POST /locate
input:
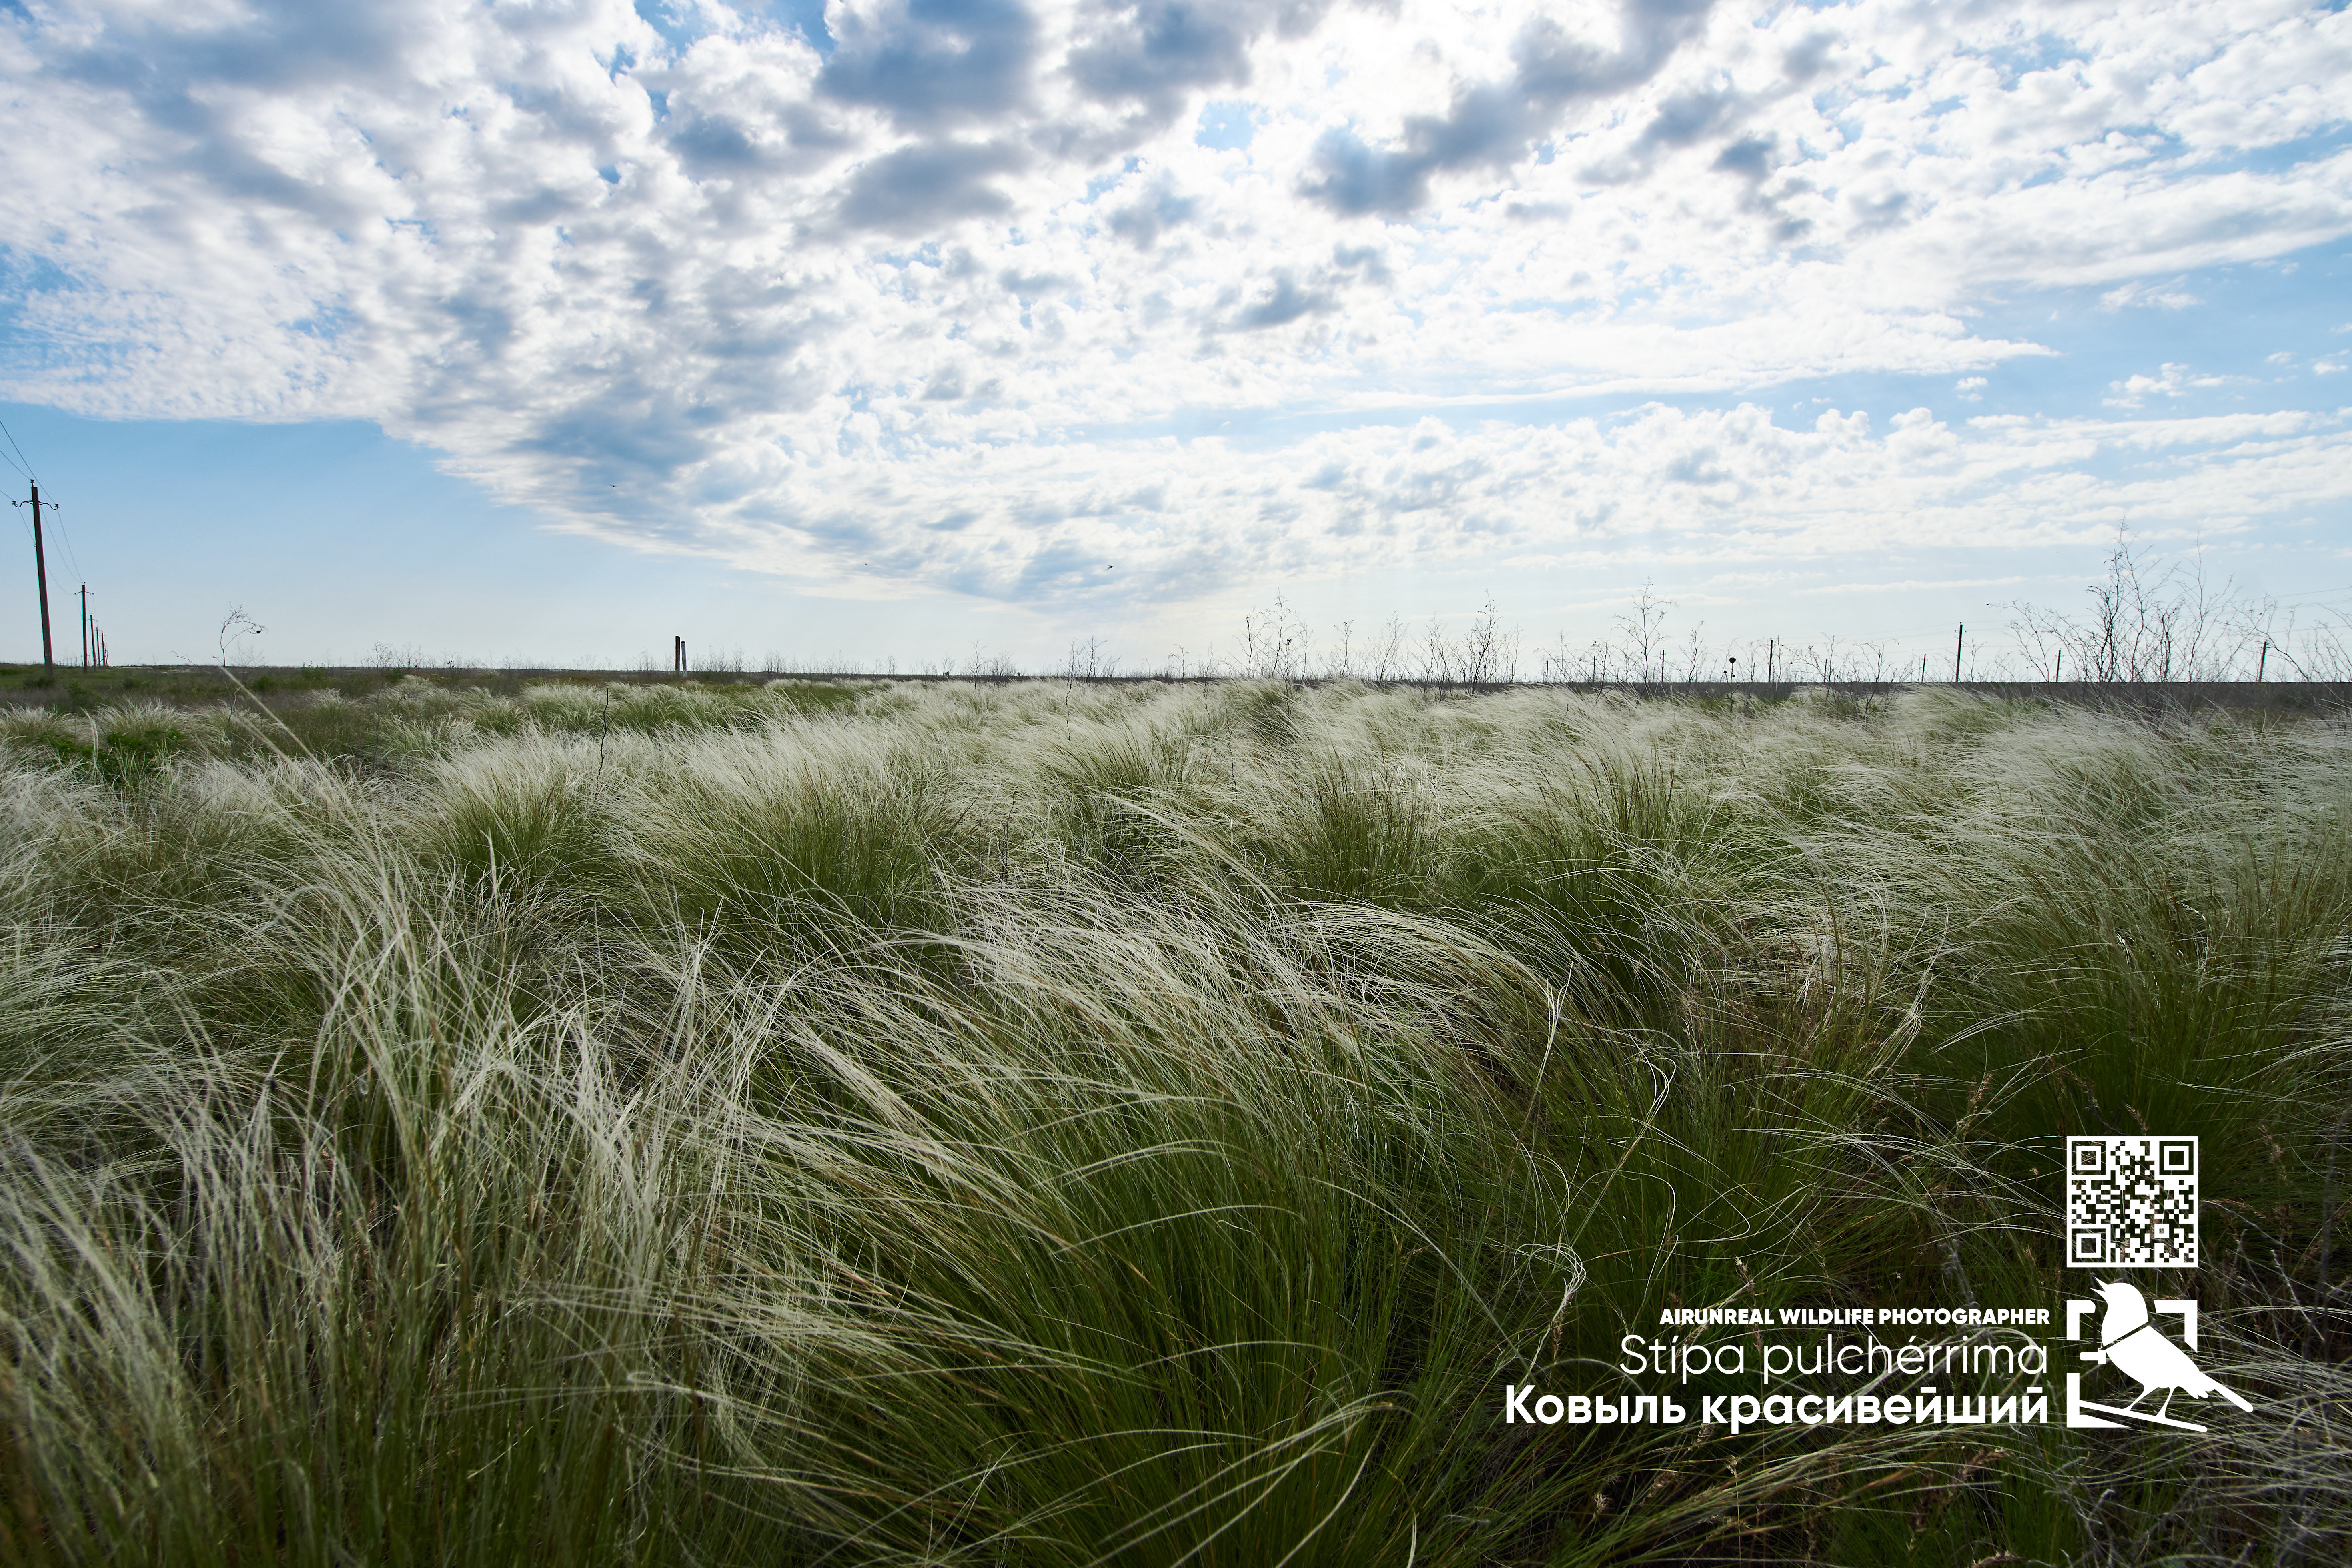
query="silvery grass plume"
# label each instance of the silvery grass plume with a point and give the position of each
(1062, 1125)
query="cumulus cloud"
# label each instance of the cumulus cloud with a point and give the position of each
(1159, 55)
(1183, 515)
(1493, 124)
(944, 293)
(919, 190)
(928, 63)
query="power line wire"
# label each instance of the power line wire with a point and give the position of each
(55, 524)
(66, 539)
(2317, 596)
(25, 465)
(65, 536)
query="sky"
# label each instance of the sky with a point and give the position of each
(913, 331)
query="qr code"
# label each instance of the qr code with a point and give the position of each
(2131, 1203)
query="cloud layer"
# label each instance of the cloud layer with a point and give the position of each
(988, 294)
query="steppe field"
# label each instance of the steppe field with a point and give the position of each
(1048, 1123)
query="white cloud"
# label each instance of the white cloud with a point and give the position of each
(1905, 586)
(1178, 516)
(945, 299)
(2159, 296)
(2171, 381)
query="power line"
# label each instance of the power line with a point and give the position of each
(57, 525)
(65, 537)
(24, 466)
(2320, 596)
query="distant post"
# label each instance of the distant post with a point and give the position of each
(1958, 643)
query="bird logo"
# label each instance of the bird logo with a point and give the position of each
(2130, 1342)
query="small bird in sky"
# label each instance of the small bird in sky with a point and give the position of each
(2130, 1342)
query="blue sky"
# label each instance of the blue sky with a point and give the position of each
(904, 329)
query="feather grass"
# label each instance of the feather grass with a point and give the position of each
(1062, 1126)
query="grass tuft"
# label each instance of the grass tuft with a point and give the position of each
(1061, 1125)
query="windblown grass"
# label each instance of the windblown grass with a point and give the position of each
(1051, 1125)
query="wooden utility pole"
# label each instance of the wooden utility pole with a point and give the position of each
(85, 625)
(1958, 643)
(2265, 662)
(41, 580)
